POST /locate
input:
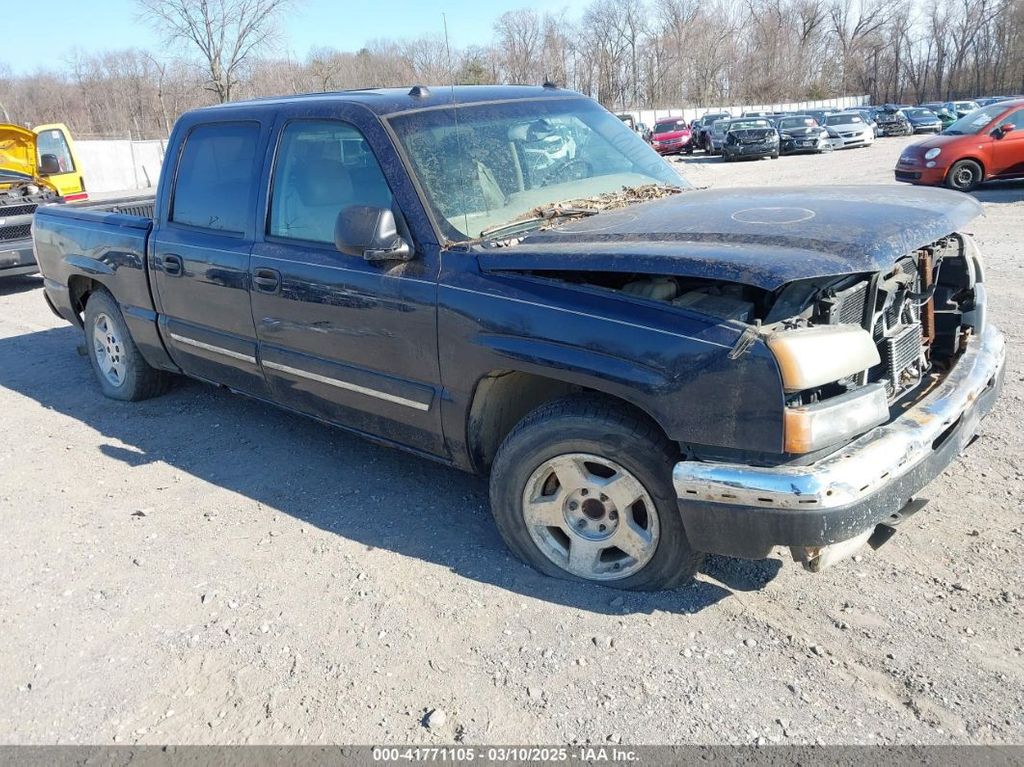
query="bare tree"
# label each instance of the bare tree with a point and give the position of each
(225, 32)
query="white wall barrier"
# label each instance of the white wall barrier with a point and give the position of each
(649, 116)
(118, 165)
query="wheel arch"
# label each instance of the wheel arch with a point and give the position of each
(972, 158)
(79, 289)
(503, 397)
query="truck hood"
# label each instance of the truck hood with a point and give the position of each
(18, 151)
(760, 237)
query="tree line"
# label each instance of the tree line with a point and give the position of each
(628, 54)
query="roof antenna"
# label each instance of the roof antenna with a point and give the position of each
(455, 110)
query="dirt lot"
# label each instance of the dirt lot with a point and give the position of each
(200, 568)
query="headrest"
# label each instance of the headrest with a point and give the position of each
(323, 182)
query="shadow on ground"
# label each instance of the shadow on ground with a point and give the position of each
(339, 482)
(12, 285)
(1000, 192)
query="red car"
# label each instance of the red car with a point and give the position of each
(984, 145)
(672, 136)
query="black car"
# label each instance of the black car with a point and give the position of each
(702, 129)
(802, 133)
(750, 137)
(923, 120)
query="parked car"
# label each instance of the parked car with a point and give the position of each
(802, 134)
(986, 144)
(961, 108)
(892, 121)
(750, 138)
(702, 129)
(847, 130)
(922, 120)
(716, 136)
(37, 167)
(672, 136)
(691, 371)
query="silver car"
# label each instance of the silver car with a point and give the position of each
(848, 129)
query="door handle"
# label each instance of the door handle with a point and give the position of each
(266, 280)
(173, 265)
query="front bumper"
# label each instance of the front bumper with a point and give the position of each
(744, 511)
(749, 150)
(803, 144)
(920, 174)
(16, 257)
(676, 148)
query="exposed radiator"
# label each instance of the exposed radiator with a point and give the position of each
(901, 350)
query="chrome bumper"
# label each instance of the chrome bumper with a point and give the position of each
(860, 470)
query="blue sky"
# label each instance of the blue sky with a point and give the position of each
(109, 24)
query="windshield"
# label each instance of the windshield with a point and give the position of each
(797, 122)
(976, 121)
(842, 119)
(670, 126)
(749, 124)
(485, 165)
(918, 113)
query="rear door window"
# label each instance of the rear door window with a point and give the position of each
(215, 177)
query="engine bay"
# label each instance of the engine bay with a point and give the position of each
(917, 312)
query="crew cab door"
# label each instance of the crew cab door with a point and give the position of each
(1007, 152)
(199, 254)
(340, 338)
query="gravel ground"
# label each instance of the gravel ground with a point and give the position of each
(201, 568)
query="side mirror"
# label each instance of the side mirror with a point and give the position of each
(1004, 129)
(370, 233)
(49, 165)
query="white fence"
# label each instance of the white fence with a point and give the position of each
(118, 165)
(649, 116)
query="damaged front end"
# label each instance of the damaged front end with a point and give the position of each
(884, 377)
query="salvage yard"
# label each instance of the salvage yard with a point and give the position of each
(200, 568)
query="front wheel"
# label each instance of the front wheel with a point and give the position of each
(122, 372)
(964, 176)
(581, 489)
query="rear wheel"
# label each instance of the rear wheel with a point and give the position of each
(581, 489)
(122, 372)
(964, 176)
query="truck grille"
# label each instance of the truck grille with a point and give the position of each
(17, 210)
(17, 232)
(899, 351)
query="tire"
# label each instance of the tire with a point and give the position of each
(119, 367)
(775, 156)
(964, 176)
(572, 451)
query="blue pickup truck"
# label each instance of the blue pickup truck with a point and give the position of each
(510, 281)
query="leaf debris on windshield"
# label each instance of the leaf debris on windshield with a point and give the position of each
(628, 195)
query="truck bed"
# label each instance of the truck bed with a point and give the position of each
(16, 227)
(105, 242)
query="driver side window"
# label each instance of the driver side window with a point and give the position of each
(1016, 120)
(321, 167)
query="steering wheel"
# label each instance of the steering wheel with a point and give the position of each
(570, 170)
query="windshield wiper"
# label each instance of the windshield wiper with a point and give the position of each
(543, 215)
